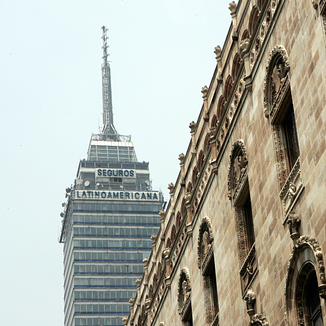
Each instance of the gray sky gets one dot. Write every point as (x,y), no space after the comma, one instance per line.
(161,54)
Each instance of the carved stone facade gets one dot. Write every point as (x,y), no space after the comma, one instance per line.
(244,231)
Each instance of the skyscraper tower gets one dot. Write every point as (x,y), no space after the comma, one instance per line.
(110,214)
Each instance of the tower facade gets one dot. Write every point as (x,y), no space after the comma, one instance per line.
(108,219)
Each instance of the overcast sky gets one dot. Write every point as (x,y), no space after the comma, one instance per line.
(161,54)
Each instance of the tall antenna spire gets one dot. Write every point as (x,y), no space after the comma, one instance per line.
(108,132)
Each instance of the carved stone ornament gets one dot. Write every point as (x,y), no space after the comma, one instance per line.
(310,242)
(171,188)
(181,158)
(162,215)
(204,91)
(153,238)
(292,187)
(184,291)
(124,320)
(276,70)
(314,3)
(232,7)
(205,239)
(250,299)
(244,45)
(192,126)
(294,223)
(237,166)
(218,52)
(259,320)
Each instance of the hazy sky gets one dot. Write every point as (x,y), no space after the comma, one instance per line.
(161,54)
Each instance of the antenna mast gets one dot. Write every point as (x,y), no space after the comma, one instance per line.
(108,132)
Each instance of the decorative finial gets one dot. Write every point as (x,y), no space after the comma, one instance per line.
(181,158)
(218,52)
(171,187)
(232,7)
(204,91)
(244,46)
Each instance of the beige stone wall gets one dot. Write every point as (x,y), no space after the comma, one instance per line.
(298,27)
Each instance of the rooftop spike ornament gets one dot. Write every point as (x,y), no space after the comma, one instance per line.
(108,131)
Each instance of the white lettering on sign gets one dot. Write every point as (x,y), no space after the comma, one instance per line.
(115,173)
(125,195)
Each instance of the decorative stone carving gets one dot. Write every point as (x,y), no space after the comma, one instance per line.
(138,282)
(205,239)
(232,7)
(250,299)
(153,238)
(314,4)
(237,167)
(294,223)
(192,127)
(244,46)
(308,241)
(184,291)
(204,91)
(171,188)
(124,320)
(249,269)
(292,187)
(276,70)
(181,158)
(218,52)
(259,320)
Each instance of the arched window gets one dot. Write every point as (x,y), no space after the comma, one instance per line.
(220,107)
(228,87)
(236,65)
(178,222)
(183,208)
(280,111)
(214,122)
(239,193)
(194,175)
(207,265)
(245,35)
(189,187)
(261,4)
(254,15)
(173,233)
(201,158)
(302,287)
(311,300)
(184,297)
(206,143)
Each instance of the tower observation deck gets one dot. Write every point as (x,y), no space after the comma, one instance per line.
(110,213)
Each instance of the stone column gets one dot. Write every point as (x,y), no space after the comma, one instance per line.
(182,167)
(193,128)
(138,282)
(218,52)
(212,141)
(132,303)
(204,91)
(233,9)
(166,254)
(250,298)
(171,192)
(162,215)
(187,198)
(145,261)
(244,51)
(153,238)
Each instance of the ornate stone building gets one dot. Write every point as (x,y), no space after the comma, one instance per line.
(243,237)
